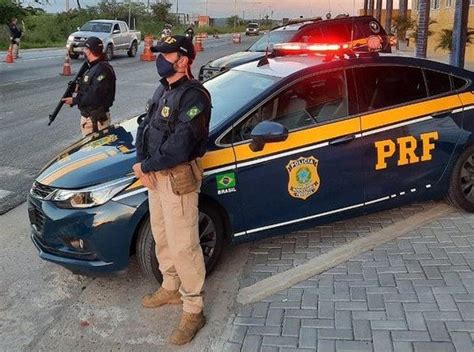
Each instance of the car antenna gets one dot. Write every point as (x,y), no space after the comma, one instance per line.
(264,60)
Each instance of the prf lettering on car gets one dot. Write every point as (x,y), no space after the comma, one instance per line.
(406,149)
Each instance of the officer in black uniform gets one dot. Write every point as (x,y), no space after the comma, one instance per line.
(96,92)
(15,35)
(170,141)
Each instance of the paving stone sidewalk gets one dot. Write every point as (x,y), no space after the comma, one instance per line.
(412,294)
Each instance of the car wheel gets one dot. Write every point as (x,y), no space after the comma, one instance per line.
(109,52)
(211,234)
(73,56)
(461,185)
(133,50)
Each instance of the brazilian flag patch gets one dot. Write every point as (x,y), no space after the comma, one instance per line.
(101,77)
(193,112)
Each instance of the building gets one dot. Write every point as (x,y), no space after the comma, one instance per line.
(442,11)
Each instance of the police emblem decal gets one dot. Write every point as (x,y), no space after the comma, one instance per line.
(165,112)
(303,177)
(374,26)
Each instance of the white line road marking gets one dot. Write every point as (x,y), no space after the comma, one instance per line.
(19,61)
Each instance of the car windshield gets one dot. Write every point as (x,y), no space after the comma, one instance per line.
(253,25)
(233,89)
(271,38)
(97,27)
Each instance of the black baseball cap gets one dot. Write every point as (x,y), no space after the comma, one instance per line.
(95,45)
(176,44)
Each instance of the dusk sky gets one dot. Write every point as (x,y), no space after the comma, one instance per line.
(247,8)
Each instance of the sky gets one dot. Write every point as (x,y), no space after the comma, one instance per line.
(248,9)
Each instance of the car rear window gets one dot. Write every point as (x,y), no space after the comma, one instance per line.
(271,38)
(438,82)
(459,82)
(384,86)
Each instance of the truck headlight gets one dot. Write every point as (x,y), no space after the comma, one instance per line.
(91,196)
(70,38)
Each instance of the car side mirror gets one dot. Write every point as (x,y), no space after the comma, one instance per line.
(116,31)
(267,132)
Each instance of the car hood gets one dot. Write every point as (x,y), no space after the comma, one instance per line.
(101,157)
(89,34)
(236,59)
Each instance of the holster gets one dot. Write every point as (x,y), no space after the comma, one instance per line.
(185,178)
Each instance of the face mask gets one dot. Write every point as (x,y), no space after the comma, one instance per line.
(164,67)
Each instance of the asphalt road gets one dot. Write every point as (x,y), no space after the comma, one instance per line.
(29,91)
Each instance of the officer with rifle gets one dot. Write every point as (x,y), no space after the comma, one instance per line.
(95,89)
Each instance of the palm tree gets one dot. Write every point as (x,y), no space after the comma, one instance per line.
(445,40)
(422,33)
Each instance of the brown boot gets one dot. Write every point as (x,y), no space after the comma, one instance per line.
(160,297)
(187,328)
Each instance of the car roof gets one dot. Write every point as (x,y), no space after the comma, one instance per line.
(284,66)
(106,21)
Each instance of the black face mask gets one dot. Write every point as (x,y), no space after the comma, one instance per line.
(164,67)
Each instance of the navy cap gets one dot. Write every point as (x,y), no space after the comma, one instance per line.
(95,45)
(176,44)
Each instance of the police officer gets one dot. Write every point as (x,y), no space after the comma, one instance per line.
(170,141)
(96,91)
(15,35)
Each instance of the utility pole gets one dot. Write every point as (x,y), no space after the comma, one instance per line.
(67,5)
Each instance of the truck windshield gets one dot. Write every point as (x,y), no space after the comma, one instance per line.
(253,25)
(271,38)
(97,27)
(232,90)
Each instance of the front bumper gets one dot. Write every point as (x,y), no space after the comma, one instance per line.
(106,233)
(75,47)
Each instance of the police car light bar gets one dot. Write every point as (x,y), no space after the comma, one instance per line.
(310,48)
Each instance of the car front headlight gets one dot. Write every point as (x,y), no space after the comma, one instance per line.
(90,196)
(70,38)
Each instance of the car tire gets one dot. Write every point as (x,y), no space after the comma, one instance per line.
(211,234)
(73,56)
(133,50)
(461,184)
(109,52)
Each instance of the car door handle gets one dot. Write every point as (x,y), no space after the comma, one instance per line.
(342,140)
(441,114)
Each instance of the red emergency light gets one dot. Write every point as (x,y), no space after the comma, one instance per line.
(309,48)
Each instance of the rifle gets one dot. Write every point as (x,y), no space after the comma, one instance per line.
(71,87)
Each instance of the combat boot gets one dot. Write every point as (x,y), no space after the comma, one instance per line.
(187,328)
(160,297)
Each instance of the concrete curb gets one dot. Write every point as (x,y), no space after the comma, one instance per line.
(326,261)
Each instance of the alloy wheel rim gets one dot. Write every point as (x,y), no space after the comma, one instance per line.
(466,178)
(207,236)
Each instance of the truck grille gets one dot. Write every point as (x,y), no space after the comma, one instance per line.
(41,191)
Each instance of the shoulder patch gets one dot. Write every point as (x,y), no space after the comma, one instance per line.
(101,77)
(193,112)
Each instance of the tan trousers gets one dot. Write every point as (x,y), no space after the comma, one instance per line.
(16,49)
(175,227)
(87,127)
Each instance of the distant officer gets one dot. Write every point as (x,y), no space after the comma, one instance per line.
(15,35)
(96,91)
(170,141)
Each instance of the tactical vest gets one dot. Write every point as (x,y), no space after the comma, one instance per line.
(163,117)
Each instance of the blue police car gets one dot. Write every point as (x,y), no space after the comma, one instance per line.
(296,139)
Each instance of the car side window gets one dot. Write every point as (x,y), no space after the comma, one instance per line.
(384,86)
(317,99)
(116,27)
(337,32)
(122,27)
(459,82)
(438,82)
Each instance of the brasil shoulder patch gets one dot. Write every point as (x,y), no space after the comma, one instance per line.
(193,112)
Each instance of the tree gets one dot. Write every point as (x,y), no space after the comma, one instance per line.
(161,11)
(422,32)
(445,39)
(234,21)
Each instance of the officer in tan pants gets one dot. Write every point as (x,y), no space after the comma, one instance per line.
(170,141)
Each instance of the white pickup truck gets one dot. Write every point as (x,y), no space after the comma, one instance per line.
(115,35)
